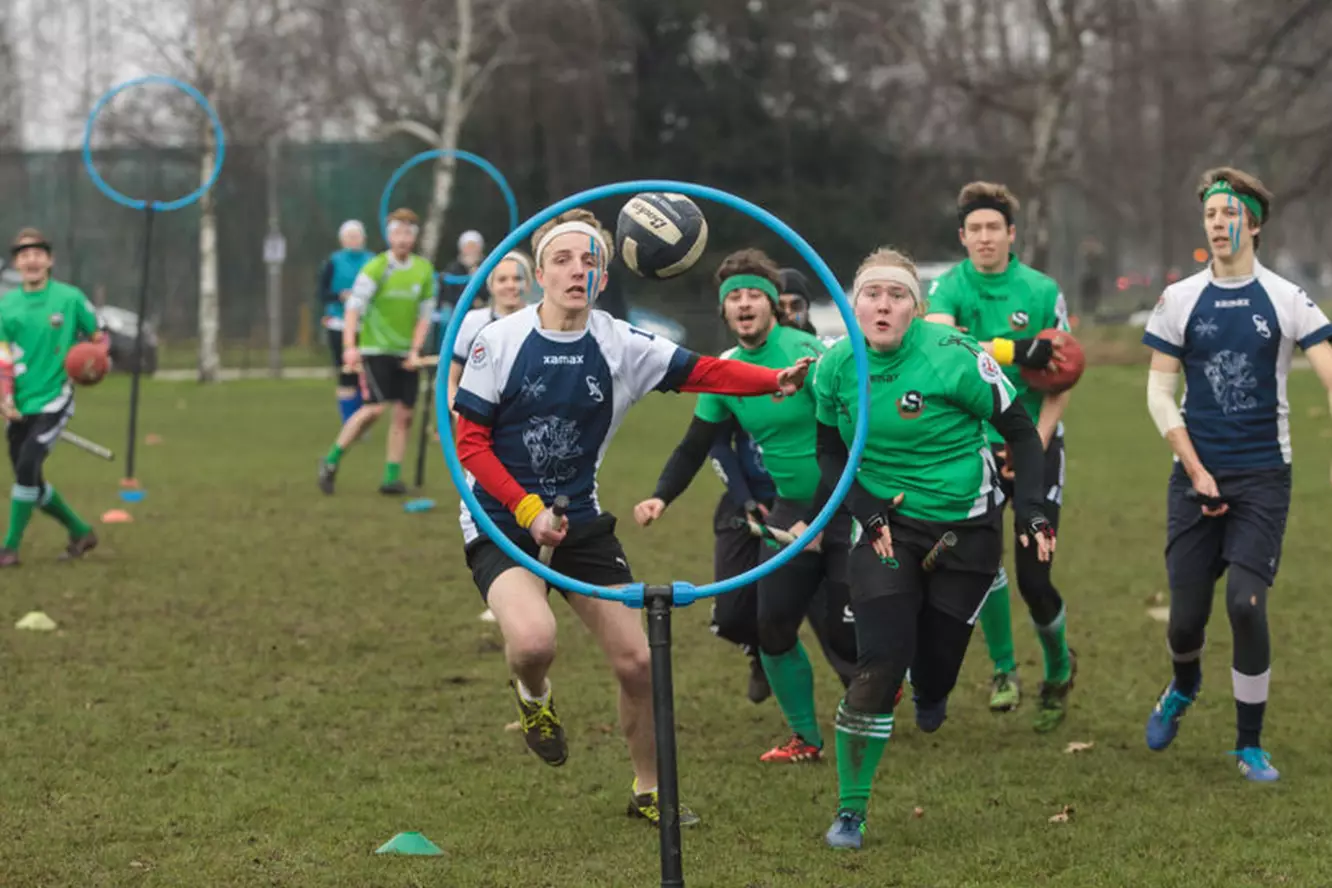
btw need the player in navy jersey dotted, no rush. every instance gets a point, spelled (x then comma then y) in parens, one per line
(541, 396)
(1231, 328)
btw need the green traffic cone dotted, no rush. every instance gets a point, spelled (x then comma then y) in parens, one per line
(410, 843)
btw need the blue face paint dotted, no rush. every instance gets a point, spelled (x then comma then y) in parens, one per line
(1235, 226)
(593, 276)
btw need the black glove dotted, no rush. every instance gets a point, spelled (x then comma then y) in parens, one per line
(1034, 352)
(875, 518)
(1037, 525)
(1209, 502)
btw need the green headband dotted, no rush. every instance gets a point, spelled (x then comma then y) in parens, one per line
(1221, 186)
(750, 281)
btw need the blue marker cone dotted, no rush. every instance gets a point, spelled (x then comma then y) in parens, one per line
(132, 496)
(419, 505)
(412, 843)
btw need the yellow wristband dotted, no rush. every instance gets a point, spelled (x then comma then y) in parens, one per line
(1003, 350)
(528, 509)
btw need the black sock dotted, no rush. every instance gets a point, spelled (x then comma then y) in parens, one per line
(1249, 724)
(1188, 675)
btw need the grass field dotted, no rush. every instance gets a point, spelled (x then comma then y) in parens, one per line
(255, 685)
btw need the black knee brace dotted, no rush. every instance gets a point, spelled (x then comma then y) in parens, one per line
(1246, 605)
(874, 688)
(778, 636)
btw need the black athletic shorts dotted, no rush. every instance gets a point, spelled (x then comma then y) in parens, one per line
(590, 553)
(962, 574)
(334, 338)
(31, 438)
(386, 380)
(735, 550)
(1054, 480)
(1250, 534)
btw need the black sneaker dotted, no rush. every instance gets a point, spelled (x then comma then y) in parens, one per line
(759, 689)
(393, 488)
(328, 472)
(8, 558)
(541, 728)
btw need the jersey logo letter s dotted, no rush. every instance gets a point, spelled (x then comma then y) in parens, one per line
(910, 405)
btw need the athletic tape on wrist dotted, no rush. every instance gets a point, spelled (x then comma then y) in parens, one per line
(1004, 350)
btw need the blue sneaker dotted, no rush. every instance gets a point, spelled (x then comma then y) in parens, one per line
(847, 831)
(1256, 765)
(1163, 723)
(929, 718)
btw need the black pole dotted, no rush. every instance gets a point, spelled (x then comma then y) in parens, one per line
(658, 600)
(431, 373)
(138, 342)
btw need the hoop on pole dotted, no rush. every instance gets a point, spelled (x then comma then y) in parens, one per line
(684, 593)
(149, 208)
(659, 600)
(219, 136)
(476, 160)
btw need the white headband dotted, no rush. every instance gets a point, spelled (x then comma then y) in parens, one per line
(524, 265)
(572, 227)
(471, 237)
(888, 274)
(395, 224)
(349, 226)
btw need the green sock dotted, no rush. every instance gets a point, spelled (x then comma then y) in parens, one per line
(1055, 645)
(334, 455)
(54, 505)
(792, 681)
(22, 500)
(861, 738)
(391, 472)
(996, 620)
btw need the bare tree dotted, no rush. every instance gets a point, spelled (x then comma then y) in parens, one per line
(421, 69)
(11, 96)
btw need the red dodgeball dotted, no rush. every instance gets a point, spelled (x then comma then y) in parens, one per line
(1062, 375)
(87, 363)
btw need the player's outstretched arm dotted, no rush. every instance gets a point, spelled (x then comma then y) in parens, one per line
(722, 376)
(1052, 411)
(1320, 358)
(1162, 382)
(681, 467)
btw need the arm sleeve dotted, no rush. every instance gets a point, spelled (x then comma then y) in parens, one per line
(325, 293)
(833, 455)
(724, 377)
(685, 461)
(1027, 456)
(1165, 328)
(361, 293)
(426, 307)
(478, 457)
(463, 344)
(726, 463)
(980, 387)
(941, 298)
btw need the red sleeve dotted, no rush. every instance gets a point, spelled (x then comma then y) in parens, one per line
(723, 377)
(477, 457)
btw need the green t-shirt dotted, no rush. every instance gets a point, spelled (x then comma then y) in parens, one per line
(1016, 303)
(39, 328)
(929, 402)
(782, 428)
(392, 297)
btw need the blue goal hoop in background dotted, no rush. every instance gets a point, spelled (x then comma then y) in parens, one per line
(476, 160)
(219, 136)
(683, 593)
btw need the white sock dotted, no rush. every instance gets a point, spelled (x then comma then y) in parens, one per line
(528, 695)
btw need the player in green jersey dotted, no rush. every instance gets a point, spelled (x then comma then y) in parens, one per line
(926, 503)
(782, 430)
(389, 313)
(1003, 304)
(39, 323)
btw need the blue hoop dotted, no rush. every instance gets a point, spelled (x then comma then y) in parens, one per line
(683, 593)
(475, 159)
(219, 136)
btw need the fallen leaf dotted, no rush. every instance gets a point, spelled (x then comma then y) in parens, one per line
(1157, 598)
(918, 813)
(1075, 746)
(152, 439)
(1159, 614)
(1063, 816)
(140, 864)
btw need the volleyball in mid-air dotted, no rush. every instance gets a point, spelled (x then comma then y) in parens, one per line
(660, 235)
